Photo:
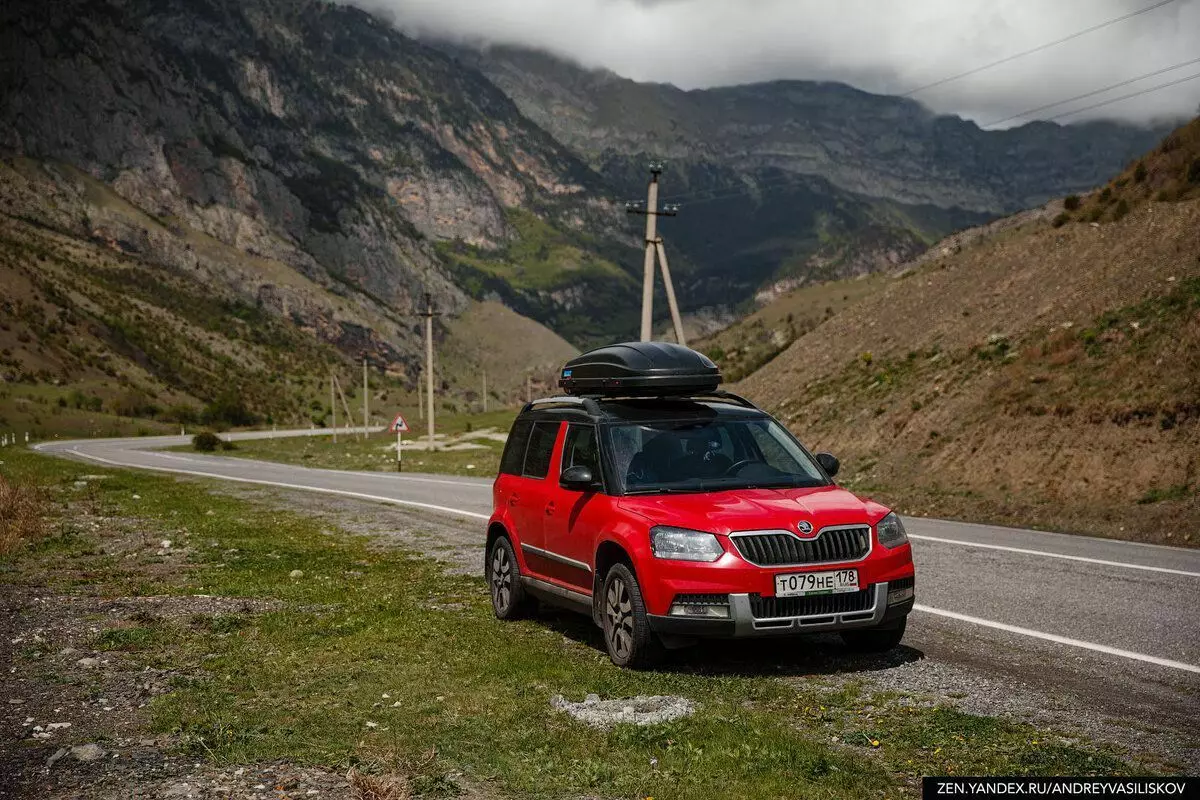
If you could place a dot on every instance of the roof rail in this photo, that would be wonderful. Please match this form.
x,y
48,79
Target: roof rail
x,y
589,404
724,396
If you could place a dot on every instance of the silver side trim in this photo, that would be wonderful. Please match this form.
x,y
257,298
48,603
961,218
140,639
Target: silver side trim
x,y
870,544
570,562
553,590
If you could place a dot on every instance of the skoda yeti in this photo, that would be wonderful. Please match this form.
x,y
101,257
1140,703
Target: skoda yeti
x,y
669,511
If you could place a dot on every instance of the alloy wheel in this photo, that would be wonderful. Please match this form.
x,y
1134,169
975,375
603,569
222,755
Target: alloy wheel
x,y
619,609
502,578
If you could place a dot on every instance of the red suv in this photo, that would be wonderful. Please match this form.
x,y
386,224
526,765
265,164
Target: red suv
x,y
668,511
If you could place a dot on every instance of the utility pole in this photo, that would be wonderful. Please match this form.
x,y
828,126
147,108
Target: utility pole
x,y
654,248
429,314
333,404
366,406
485,391
529,387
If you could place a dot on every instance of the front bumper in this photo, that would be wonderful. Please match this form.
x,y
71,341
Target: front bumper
x,y
743,624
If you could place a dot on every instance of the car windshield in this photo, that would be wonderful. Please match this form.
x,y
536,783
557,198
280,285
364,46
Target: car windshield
x,y
709,455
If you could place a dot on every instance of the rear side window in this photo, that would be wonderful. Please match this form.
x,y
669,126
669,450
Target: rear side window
x,y
541,447
513,459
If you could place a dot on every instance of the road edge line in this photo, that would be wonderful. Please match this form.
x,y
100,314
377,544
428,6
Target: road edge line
x,y
1053,637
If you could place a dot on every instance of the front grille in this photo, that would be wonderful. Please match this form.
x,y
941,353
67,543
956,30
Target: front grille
x,y
811,606
777,548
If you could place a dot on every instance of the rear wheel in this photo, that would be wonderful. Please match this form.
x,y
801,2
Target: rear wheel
x,y
509,599
875,640
627,633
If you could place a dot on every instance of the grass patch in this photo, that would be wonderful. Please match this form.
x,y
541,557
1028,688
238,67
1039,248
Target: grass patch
x,y
377,660
22,513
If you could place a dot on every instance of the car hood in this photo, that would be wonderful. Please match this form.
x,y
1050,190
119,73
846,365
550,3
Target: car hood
x,y
755,509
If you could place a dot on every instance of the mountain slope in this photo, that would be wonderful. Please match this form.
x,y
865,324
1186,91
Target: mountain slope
x,y
308,133
791,182
1047,375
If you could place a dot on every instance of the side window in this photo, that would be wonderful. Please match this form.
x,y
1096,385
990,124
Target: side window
x,y
541,448
579,449
514,450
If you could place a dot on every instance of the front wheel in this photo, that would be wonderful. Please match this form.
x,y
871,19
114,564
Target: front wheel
x,y
627,633
509,599
875,640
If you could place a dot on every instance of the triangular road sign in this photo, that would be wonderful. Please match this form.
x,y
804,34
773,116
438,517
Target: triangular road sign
x,y
398,425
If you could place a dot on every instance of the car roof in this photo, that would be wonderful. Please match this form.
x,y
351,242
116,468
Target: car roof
x,y
635,410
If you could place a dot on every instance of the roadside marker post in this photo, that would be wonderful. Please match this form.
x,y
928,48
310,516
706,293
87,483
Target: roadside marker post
x,y
399,426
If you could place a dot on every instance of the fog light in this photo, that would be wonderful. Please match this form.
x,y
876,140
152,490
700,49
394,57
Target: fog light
x,y
696,610
900,595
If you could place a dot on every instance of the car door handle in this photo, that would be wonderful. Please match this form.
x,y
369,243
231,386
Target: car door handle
x,y
549,509
513,498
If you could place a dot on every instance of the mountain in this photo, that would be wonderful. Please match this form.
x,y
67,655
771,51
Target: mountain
x,y
792,181
199,197
1044,370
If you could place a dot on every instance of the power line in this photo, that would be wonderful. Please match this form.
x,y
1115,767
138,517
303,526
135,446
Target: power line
x,y
1038,49
1124,97
1091,94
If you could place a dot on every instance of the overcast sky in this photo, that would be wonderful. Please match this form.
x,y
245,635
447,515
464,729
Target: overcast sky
x,y
888,46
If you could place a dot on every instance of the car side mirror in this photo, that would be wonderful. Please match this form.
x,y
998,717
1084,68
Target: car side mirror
x,y
578,479
829,463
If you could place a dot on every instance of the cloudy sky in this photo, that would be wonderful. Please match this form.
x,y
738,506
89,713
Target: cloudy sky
x,y
891,46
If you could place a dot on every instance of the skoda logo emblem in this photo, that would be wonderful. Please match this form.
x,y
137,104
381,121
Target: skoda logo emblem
x,y
804,526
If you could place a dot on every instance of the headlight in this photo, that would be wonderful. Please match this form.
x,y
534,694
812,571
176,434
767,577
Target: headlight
x,y
682,544
891,531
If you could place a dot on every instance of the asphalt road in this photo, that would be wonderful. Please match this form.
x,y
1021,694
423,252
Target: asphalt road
x,y
1116,624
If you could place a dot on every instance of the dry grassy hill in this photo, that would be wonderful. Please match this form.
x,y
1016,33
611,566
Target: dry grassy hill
x,y
1048,374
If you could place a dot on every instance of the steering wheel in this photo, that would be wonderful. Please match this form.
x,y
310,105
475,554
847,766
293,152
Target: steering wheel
x,y
736,466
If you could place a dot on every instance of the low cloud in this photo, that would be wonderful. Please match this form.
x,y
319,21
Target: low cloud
x,y
887,47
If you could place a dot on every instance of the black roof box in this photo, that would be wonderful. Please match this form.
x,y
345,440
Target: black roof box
x,y
644,369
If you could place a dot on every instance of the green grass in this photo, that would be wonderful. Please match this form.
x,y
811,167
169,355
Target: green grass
x,y
376,635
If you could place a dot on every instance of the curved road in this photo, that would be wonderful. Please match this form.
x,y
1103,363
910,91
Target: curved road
x,y
1114,624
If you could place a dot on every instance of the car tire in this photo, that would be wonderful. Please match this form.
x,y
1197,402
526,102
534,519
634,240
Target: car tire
x,y
509,598
627,634
875,640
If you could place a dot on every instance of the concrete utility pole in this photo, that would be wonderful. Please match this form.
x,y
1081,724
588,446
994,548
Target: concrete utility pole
x,y
654,247
333,405
429,314
485,391
366,406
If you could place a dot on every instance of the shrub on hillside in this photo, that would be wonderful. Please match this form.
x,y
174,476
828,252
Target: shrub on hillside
x,y
182,413
1120,209
1139,172
22,514
207,442
1193,173
1071,202
1060,220
134,403
228,410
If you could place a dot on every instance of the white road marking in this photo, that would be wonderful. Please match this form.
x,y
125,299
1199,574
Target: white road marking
x,y
1048,554
301,487
1051,637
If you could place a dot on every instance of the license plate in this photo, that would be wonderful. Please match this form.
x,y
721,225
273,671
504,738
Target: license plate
x,y
804,583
